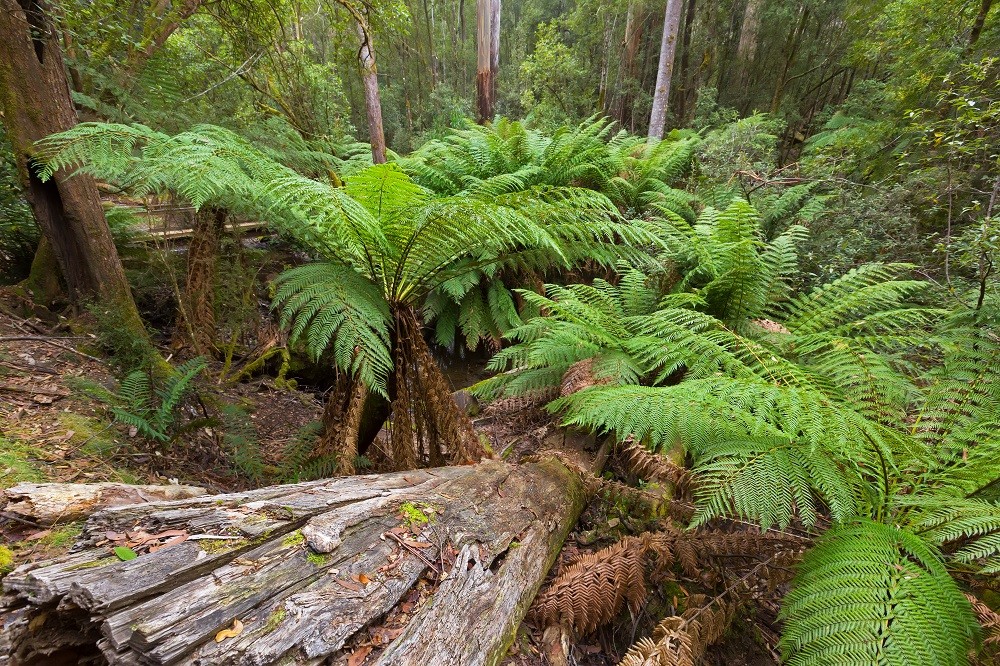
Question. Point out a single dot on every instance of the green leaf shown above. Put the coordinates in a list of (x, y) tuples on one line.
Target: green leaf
[(125, 554)]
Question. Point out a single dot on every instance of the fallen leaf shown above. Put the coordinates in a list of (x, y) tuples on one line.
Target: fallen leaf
[(125, 554), (35, 536), (358, 656), (232, 632), (417, 544), (361, 578), (354, 587)]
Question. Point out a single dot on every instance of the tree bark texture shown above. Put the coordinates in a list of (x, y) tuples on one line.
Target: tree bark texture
[(309, 570), (36, 103), (494, 49), (373, 102), (747, 47), (49, 503), (196, 318), (665, 69), (484, 74)]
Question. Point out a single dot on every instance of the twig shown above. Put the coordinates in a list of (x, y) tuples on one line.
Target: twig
[(28, 389), (40, 338), (415, 552), (51, 341)]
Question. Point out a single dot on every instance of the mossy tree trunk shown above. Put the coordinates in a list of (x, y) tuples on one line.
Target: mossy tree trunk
[(36, 103)]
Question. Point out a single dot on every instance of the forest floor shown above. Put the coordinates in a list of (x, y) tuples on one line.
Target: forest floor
[(53, 428)]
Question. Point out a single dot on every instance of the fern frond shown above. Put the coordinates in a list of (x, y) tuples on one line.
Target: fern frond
[(870, 593)]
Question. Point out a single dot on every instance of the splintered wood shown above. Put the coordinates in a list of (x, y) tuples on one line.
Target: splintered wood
[(336, 569)]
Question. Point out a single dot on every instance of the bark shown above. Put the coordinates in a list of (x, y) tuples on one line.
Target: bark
[(36, 103), (977, 26), (49, 503), (747, 47), (309, 570), (791, 52), (343, 420), (686, 99), (428, 427), (484, 74), (665, 68), (196, 317), (494, 49), (634, 24), (373, 103)]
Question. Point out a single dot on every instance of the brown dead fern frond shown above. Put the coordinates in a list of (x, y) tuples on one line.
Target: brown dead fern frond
[(592, 590), (581, 376), (988, 618), (653, 467), (681, 640), (697, 549)]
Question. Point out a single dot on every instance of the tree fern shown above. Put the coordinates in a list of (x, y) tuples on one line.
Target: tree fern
[(870, 593)]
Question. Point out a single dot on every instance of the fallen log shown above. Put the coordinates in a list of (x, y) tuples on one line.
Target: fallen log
[(305, 573), (49, 503)]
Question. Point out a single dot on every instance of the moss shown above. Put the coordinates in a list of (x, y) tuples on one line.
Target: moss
[(296, 538), (273, 620), (413, 515), (317, 559), (6, 560), (215, 546), (89, 434), (62, 537), (19, 462), (93, 565)]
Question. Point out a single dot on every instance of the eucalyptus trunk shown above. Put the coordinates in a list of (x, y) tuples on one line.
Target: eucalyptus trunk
[(665, 69), (484, 73), (373, 102)]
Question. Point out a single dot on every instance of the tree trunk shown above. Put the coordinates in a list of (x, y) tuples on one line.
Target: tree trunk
[(665, 69), (791, 51), (484, 78), (50, 503), (977, 26), (634, 24), (310, 571), (494, 50), (747, 49), (196, 317), (36, 103), (686, 99), (373, 103), (428, 428)]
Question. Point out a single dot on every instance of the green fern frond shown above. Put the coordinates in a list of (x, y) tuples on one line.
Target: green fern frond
[(870, 593)]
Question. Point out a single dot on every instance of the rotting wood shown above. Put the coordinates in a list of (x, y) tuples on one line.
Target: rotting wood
[(313, 565), (48, 503)]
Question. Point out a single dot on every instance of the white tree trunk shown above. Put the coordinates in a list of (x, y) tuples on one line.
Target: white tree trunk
[(668, 47)]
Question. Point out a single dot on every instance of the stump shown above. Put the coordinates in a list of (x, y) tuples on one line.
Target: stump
[(305, 569)]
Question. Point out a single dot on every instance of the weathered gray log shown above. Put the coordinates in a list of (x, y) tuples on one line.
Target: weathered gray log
[(306, 568), (49, 503)]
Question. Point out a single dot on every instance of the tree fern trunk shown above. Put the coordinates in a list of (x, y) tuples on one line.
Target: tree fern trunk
[(343, 418), (428, 426), (196, 316)]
